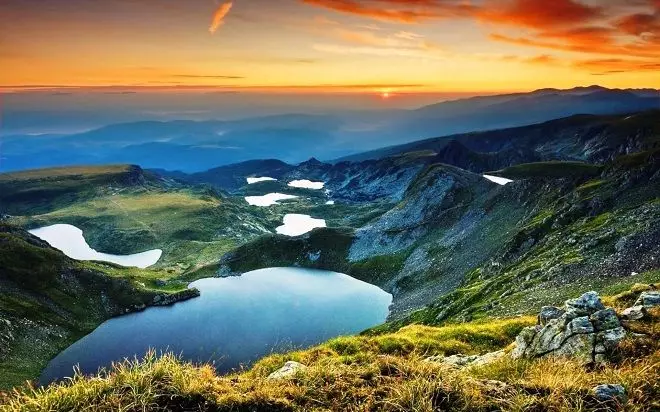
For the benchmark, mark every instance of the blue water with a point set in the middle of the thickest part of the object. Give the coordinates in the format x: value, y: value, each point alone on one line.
x: 235, y: 321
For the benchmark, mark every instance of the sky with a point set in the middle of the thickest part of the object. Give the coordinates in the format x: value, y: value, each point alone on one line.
x: 383, y: 47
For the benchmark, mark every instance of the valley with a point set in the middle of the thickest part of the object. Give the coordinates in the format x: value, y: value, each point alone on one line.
x: 452, y: 235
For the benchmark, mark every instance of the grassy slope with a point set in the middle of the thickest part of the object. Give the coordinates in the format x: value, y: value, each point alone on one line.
x: 124, y: 210
x: 382, y: 372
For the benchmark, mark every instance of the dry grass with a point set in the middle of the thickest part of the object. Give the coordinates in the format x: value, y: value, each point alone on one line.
x: 366, y: 373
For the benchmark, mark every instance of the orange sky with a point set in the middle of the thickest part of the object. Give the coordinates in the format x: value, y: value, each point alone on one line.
x: 378, y: 46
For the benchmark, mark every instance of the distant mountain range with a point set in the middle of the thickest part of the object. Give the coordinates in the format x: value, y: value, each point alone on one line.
x: 192, y: 146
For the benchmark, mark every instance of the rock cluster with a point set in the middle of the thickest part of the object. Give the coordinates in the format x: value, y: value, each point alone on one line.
x: 584, y: 329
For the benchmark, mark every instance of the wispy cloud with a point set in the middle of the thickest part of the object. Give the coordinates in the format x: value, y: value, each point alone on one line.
x: 200, y: 76
x: 219, y: 16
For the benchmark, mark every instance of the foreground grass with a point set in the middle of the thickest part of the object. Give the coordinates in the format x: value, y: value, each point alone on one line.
x: 365, y: 373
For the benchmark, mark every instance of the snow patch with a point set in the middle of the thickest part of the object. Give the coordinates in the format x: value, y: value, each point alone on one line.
x: 499, y: 180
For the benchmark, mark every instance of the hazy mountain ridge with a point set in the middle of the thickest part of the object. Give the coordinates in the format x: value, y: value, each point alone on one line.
x: 581, y: 137
x: 195, y: 146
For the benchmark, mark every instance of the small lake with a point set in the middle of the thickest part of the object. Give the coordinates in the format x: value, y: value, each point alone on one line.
x: 307, y: 184
x: 253, y: 180
x: 70, y: 241
x: 268, y: 200
x: 235, y: 321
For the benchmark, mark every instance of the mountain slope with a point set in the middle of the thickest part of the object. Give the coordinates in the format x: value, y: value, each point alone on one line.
x: 583, y: 137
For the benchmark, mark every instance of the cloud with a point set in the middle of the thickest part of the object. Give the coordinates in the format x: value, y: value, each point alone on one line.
x: 612, y: 27
x: 219, y: 16
x: 406, y: 35
x: 613, y: 66
x: 539, y: 14
x: 377, y: 51
x: 402, y: 44
x: 400, y: 11
x: 196, y: 76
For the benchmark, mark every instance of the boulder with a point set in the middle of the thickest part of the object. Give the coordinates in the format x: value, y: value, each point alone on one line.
x: 548, y: 313
x: 289, y: 370
x: 634, y: 313
x: 585, y: 305
x: 648, y: 299
x: 605, y: 319
x: 610, y: 393
x: 584, y: 330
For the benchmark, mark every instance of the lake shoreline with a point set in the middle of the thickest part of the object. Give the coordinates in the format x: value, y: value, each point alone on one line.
x: 304, y: 308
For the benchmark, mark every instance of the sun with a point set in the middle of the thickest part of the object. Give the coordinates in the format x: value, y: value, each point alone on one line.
x: 385, y: 95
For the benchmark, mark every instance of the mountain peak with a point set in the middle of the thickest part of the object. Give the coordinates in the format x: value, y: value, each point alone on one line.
x: 311, y: 162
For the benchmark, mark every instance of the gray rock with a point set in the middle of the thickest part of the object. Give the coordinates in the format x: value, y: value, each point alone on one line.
x: 580, y: 325
x: 523, y: 341
x: 605, y: 319
x: 548, y: 313
x: 579, y: 347
x: 634, y: 313
x: 585, y: 305
x: 610, y: 339
x: 609, y: 393
x: 289, y: 370
x: 648, y: 299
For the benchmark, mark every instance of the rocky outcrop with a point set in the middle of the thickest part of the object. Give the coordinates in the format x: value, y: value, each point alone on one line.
x: 289, y: 370
x: 584, y: 329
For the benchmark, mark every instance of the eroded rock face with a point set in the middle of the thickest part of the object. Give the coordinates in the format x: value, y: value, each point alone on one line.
x: 584, y: 330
